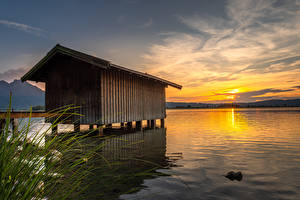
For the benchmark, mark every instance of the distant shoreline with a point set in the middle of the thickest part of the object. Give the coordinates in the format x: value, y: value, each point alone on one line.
x: 259, y: 104
x: 193, y: 108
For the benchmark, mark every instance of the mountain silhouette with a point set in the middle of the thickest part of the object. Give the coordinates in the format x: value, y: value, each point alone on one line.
x: 24, y: 95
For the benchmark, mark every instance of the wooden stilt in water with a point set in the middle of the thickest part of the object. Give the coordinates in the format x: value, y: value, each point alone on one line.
x: 148, y: 124
x: 2, y: 124
x: 162, y: 123
x: 76, y: 127
x: 91, y: 126
x: 153, y: 123
x: 129, y: 124
x: 100, y: 130
x: 138, y: 125
x: 14, y: 123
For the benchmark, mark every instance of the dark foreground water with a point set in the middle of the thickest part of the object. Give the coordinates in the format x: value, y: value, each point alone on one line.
x: 264, y: 144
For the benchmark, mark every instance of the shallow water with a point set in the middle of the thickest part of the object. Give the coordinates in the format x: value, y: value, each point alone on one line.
x: 264, y: 144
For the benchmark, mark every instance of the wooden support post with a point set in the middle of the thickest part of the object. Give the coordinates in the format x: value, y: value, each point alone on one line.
x: 14, y: 123
x: 148, y: 124
x: 138, y: 125
x: 76, y: 127
x: 162, y: 123
x: 153, y: 123
x: 100, y: 130
x: 2, y: 124
x: 54, y: 130
x: 129, y: 124
x: 91, y: 126
x: 122, y: 124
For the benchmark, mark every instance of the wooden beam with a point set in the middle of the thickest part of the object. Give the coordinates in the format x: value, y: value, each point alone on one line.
x: 162, y: 123
x: 14, y: 123
x: 13, y: 115
x: 91, y: 126
x: 153, y: 123
x: 100, y: 130
x: 2, y: 124
x: 148, y: 124
x: 138, y: 125
x: 129, y: 124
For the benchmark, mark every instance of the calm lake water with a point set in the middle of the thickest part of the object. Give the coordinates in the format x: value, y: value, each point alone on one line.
x: 196, y: 149
x: 264, y: 144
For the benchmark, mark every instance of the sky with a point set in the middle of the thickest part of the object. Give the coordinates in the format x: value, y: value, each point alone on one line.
x: 218, y: 50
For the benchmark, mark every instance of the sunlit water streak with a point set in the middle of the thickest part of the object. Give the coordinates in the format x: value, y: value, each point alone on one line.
x: 262, y: 143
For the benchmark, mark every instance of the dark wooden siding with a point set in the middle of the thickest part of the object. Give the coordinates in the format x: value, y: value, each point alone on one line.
x: 103, y: 96
x: 127, y: 98
x: 74, y: 83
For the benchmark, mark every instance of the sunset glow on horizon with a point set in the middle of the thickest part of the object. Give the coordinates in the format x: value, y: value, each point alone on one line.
x: 219, y: 51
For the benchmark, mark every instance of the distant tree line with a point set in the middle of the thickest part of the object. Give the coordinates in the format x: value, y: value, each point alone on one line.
x: 258, y: 104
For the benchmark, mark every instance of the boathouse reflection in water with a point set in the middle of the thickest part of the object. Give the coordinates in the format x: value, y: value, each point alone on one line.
x: 124, y: 161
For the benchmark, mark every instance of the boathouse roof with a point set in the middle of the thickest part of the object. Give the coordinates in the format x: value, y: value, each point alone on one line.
x: 98, y: 62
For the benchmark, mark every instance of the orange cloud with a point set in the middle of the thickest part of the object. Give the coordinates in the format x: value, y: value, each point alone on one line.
x: 239, y: 52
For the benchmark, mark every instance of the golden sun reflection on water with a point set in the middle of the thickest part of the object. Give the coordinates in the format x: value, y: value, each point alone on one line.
x: 238, y: 121
x: 232, y: 124
x: 261, y: 143
x: 232, y: 117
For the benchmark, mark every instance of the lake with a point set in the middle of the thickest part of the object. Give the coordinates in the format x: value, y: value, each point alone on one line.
x: 263, y: 143
x: 193, y: 153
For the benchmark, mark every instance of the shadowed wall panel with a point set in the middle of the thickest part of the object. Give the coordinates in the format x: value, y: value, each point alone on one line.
x: 74, y: 83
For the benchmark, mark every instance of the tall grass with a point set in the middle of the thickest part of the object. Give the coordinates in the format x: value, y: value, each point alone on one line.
x: 44, y: 166
x: 36, y: 165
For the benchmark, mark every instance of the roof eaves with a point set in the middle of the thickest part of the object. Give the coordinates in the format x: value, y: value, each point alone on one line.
x: 66, y: 51
x: 145, y: 75
x: 92, y: 60
x: 83, y: 57
x: 37, y: 66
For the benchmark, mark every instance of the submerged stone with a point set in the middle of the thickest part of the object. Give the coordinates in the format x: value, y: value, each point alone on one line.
x: 234, y: 176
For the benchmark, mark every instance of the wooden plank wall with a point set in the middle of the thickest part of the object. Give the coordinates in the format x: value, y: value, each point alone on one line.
x: 103, y: 96
x: 126, y: 97
x: 72, y: 82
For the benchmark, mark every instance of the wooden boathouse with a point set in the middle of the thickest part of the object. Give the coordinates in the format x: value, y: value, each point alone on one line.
x: 105, y: 93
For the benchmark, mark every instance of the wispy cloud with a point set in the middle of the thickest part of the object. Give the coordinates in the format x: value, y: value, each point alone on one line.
x: 12, y: 74
x: 255, y: 95
x: 260, y: 94
x: 23, y: 27
x: 147, y: 24
x: 273, y: 66
x: 297, y: 87
x: 182, y: 99
x: 256, y: 43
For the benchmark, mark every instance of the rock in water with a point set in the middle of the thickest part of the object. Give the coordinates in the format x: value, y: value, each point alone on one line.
x: 234, y: 176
